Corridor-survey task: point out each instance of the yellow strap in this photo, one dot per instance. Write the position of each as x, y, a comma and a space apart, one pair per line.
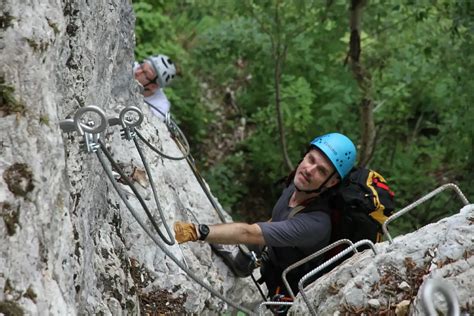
378, 214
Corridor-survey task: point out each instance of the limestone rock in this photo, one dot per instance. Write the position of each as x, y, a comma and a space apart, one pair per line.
67, 241
395, 275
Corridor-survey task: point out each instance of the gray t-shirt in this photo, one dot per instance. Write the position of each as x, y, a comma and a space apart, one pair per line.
290, 240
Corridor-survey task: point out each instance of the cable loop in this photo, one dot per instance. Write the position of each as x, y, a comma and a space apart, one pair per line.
175, 131
127, 121
156, 150
90, 127
124, 177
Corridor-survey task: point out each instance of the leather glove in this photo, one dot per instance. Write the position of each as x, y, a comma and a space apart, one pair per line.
185, 232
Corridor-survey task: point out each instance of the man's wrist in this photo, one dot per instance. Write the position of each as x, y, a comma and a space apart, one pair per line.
202, 231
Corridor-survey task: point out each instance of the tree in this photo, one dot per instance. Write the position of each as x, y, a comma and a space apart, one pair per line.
364, 80
283, 22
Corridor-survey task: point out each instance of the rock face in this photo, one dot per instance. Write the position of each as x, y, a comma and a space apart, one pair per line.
394, 277
68, 244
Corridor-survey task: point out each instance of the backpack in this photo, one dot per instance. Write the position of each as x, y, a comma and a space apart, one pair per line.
361, 204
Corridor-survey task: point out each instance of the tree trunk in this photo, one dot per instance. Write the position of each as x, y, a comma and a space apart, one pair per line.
367, 142
279, 57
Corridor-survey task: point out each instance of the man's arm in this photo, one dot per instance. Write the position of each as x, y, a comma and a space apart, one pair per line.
235, 233
231, 233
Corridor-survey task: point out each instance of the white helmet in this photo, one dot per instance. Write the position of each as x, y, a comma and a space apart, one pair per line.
164, 68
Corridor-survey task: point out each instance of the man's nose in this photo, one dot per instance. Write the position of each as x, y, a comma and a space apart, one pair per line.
312, 168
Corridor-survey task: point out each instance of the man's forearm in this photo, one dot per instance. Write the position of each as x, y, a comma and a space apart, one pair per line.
235, 233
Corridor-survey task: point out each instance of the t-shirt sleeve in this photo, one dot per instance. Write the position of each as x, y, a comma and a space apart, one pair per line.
302, 230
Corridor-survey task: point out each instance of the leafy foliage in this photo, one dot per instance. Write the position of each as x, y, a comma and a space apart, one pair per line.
420, 59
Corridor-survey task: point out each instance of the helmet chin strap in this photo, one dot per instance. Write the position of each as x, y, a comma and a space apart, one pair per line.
153, 81
318, 190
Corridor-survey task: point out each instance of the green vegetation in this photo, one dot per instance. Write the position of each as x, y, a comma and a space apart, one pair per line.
44, 120
8, 102
418, 61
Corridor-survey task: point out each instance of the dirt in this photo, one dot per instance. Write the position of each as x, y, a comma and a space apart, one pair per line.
156, 302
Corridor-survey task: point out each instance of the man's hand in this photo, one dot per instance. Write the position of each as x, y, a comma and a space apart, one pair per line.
185, 232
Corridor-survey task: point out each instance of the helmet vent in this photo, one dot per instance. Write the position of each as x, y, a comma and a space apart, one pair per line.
164, 62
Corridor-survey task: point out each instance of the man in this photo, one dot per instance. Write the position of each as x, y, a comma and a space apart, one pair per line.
289, 239
154, 74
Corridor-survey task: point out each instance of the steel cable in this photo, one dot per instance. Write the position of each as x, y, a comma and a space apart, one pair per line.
156, 150
137, 194
156, 240
174, 130
155, 195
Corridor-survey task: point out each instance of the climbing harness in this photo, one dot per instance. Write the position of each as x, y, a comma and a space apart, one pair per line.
433, 286
452, 186
92, 134
328, 263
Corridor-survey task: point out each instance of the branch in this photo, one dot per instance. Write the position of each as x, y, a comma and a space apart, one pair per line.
364, 81
279, 59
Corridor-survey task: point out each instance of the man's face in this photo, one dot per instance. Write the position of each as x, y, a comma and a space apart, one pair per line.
147, 78
313, 171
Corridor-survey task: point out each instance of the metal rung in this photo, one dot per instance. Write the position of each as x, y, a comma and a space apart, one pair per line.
420, 201
325, 265
310, 257
271, 303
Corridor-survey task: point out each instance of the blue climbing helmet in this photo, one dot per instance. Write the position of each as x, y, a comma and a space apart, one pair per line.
339, 149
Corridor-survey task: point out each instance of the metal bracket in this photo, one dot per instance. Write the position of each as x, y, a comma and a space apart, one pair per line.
90, 130
128, 122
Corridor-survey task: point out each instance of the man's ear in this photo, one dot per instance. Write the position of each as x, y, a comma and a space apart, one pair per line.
333, 181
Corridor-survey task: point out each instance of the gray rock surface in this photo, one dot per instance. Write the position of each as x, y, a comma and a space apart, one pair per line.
68, 243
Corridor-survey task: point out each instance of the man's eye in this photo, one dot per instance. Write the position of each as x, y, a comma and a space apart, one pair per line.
323, 171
